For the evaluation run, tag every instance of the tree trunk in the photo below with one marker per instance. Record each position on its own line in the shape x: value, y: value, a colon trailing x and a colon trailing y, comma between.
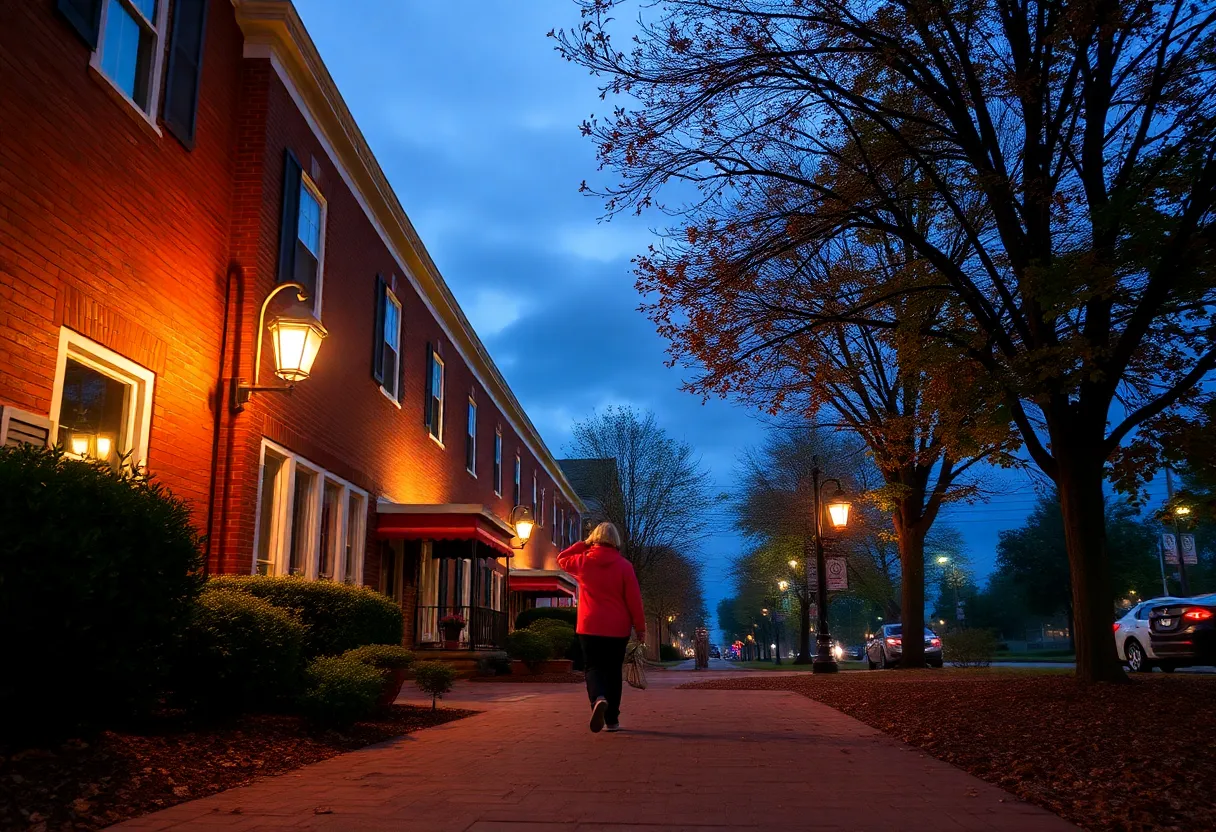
x: 912, y: 592
x: 804, y: 634
x: 1083, y: 506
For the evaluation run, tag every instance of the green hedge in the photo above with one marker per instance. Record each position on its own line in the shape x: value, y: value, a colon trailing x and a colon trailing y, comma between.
x: 558, y: 634
x: 969, y: 648
x: 98, y: 576
x: 529, y: 647
x: 569, y: 615
x: 339, y: 691
x: 383, y: 656
x: 240, y: 653
x: 667, y: 653
x: 339, y: 617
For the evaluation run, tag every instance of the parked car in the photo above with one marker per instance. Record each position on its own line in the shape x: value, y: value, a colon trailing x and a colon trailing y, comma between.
x: 714, y: 652
x: 1132, y: 640
x: 856, y: 652
x: 1183, y: 633
x: 886, y: 647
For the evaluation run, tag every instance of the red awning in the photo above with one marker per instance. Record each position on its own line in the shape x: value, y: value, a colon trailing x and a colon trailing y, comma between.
x: 542, y: 584
x: 393, y: 525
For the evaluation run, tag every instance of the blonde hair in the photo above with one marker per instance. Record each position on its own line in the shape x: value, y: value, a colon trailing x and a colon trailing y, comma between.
x: 605, y: 534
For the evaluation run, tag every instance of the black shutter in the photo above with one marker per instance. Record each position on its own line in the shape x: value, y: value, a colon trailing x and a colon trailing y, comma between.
x: 401, y: 353
x: 378, y: 342
x: 430, y: 372
x: 85, y: 17
x: 289, y: 224
x: 185, y: 69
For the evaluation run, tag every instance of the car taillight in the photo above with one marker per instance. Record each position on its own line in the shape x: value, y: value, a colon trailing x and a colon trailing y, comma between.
x: 1197, y: 615
x: 936, y: 642
x: 1116, y: 626
x: 895, y: 642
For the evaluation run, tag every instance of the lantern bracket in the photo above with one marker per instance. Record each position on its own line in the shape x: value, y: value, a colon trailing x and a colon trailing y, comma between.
x: 241, y: 392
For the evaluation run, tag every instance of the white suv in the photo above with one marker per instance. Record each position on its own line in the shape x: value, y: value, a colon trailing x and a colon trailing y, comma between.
x: 1131, y: 636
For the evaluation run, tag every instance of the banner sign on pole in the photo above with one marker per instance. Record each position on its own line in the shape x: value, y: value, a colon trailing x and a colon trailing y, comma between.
x: 1169, y: 546
x: 838, y: 574
x: 812, y: 575
x: 1189, y: 555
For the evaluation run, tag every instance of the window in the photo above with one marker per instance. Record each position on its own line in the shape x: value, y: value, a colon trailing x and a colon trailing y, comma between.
x: 309, y: 522
x: 534, y: 503
x: 498, y: 462
x: 129, y: 49
x: 331, y: 511
x: 310, y: 241
x: 101, y: 405
x: 434, y: 395
x: 517, y: 491
x: 553, y: 526
x: 470, y: 440
x: 302, y: 232
x: 386, y: 361
x: 540, y: 518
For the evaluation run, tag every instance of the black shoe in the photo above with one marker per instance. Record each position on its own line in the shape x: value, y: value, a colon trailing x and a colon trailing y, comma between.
x: 598, y: 711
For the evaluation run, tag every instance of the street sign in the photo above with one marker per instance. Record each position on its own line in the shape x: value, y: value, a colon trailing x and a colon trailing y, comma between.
x: 838, y: 574
x: 1189, y: 556
x: 812, y: 575
x: 1169, y: 546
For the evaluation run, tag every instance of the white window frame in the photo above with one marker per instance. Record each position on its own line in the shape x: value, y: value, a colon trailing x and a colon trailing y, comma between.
x: 306, y: 183
x: 470, y: 464
x: 158, y: 60
x: 436, y: 361
x: 279, y: 525
x: 498, y: 461
x: 390, y: 298
x: 142, y: 381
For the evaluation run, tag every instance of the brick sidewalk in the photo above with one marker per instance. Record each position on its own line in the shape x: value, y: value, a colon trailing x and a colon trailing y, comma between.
x: 691, y: 760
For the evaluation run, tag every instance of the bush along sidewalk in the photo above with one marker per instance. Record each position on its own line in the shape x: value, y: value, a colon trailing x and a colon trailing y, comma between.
x: 392, y: 662
x: 435, y: 678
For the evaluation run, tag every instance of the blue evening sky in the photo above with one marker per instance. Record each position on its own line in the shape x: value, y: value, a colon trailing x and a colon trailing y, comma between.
x: 474, y: 119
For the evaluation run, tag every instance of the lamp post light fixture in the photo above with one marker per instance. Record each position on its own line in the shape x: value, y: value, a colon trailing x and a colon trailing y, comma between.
x: 296, y: 341
x: 838, y: 511
x: 523, y: 522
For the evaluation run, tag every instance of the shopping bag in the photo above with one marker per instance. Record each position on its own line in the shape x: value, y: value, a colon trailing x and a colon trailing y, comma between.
x: 635, y: 665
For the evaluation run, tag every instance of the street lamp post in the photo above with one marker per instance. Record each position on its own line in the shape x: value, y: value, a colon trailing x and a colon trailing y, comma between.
x: 943, y: 560
x: 838, y: 510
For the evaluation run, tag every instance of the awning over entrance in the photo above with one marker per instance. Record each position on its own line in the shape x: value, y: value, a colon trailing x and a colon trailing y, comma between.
x: 543, y: 582
x: 447, y: 521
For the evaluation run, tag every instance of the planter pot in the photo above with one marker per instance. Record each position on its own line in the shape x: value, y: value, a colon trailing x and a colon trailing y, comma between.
x: 394, y: 678
x: 451, y: 643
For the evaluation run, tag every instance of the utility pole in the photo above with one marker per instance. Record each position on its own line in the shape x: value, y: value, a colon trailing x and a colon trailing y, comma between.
x: 1169, y: 489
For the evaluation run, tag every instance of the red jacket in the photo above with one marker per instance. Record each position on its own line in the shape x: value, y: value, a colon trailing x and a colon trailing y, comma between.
x: 610, y: 601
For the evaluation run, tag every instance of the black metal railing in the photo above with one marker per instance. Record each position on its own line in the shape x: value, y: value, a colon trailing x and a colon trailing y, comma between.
x: 484, y: 628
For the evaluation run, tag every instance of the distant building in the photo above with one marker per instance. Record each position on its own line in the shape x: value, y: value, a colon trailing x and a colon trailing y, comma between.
x: 594, y: 480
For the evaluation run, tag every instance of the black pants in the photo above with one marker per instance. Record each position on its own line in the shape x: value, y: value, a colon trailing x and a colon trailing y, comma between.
x: 603, y: 657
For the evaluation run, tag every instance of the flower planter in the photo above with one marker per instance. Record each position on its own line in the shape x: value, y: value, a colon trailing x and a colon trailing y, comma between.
x: 451, y: 637
x: 394, y: 678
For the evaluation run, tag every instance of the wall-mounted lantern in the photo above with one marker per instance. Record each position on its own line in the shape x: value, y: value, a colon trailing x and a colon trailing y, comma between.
x: 296, y: 341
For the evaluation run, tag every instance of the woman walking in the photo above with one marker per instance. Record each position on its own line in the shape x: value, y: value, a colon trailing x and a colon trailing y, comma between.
x: 609, y: 605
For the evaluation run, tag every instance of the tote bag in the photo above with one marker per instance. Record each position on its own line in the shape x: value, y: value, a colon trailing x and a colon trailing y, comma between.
x: 635, y: 665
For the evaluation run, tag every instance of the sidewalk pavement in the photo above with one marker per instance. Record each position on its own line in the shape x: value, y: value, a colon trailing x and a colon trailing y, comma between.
x: 688, y: 760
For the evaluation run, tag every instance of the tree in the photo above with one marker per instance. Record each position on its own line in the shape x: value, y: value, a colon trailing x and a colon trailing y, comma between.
x: 659, y: 497
x: 672, y: 593
x: 1071, y: 147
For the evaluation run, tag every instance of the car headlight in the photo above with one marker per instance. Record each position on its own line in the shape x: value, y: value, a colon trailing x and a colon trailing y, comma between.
x: 838, y: 652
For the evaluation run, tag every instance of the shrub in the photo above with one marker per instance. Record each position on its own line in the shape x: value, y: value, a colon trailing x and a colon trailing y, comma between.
x: 558, y: 634
x: 529, y: 647
x: 969, y: 648
x: 435, y: 678
x: 567, y: 614
x: 496, y: 664
x: 240, y: 653
x: 667, y: 653
x: 339, y: 691
x: 98, y: 575
x: 339, y: 617
x: 383, y: 656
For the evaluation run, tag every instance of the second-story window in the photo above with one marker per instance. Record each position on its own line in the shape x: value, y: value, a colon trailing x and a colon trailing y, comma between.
x: 553, y: 527
x: 470, y: 440
x: 310, y: 239
x: 498, y: 462
x: 516, y: 492
x: 130, y: 47
x: 539, y: 517
x: 386, y: 363
x: 434, y: 394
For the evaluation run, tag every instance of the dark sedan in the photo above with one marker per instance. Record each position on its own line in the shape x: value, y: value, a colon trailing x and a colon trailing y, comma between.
x: 1184, y: 633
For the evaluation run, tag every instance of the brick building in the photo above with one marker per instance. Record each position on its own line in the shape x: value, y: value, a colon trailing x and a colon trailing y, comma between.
x: 165, y: 165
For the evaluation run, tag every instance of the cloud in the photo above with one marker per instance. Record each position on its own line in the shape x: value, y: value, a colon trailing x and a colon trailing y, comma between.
x: 604, y: 242
x: 492, y: 311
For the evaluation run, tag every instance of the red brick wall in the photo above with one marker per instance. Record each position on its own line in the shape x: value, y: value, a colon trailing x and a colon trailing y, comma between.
x: 338, y: 418
x: 114, y: 232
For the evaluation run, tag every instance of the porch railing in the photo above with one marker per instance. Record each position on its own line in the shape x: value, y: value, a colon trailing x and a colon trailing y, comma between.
x: 486, y: 628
